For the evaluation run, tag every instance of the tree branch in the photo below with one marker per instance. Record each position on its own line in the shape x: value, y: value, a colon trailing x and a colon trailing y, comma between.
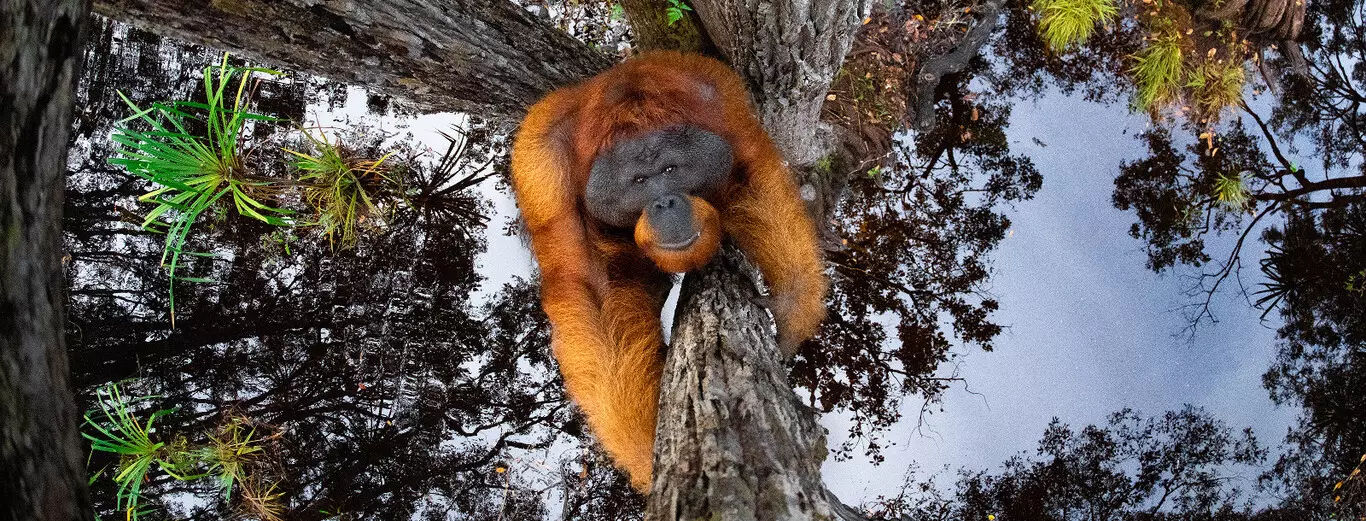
x: 485, y: 57
x: 955, y: 61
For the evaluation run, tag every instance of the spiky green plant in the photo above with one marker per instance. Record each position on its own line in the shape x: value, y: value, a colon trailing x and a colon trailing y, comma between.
x: 338, y: 184
x: 1230, y: 190
x: 1216, y: 85
x: 195, y: 153
x: 224, y: 457
x: 117, y: 430
x: 1157, y: 71
x: 1067, y: 23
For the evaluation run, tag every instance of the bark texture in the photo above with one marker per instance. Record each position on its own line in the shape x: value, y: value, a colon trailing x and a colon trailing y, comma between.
x: 41, y: 471
x: 485, y: 57
x: 790, y: 51
x: 733, y: 441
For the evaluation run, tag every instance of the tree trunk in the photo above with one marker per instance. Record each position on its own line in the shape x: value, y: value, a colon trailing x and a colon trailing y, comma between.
x: 485, y: 57
x: 790, y: 51
x: 733, y: 441
x: 41, y: 475
x: 651, y: 28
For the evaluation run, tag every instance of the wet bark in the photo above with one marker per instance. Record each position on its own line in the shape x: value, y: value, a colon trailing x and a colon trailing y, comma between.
x: 41, y: 471
x: 485, y: 57
x: 789, y: 51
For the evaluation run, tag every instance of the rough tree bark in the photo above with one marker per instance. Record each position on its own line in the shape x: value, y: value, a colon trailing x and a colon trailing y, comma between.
x: 41, y: 471
x: 733, y: 441
x: 790, y: 51
x: 485, y: 57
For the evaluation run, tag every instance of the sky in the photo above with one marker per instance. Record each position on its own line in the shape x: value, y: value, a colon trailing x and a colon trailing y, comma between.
x: 1089, y: 329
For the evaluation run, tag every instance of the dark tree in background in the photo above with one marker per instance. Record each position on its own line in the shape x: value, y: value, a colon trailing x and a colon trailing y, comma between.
x: 1315, y: 266
x: 916, y: 234
x: 1182, y: 465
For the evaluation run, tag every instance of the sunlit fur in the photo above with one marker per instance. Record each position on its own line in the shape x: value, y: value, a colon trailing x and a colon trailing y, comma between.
x: 602, y: 292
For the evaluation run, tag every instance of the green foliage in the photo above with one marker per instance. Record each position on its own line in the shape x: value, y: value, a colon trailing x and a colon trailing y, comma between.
x: 1230, y: 190
x: 675, y: 10
x: 225, y: 457
x: 119, y: 432
x: 1066, y: 23
x: 1157, y: 73
x: 1216, y: 85
x: 824, y: 165
x: 339, y: 185
x: 194, y: 153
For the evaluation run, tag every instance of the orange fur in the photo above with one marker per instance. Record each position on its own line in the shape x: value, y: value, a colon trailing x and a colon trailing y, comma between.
x: 603, y: 289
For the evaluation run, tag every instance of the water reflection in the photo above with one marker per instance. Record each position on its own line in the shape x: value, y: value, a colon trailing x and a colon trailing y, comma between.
x: 395, y: 394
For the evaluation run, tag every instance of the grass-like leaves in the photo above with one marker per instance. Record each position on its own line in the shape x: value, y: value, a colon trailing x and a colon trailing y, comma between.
x: 1067, y: 23
x: 228, y: 456
x: 1216, y: 85
x: 340, y: 186
x: 195, y: 153
x: 117, y: 430
x: 1158, y: 71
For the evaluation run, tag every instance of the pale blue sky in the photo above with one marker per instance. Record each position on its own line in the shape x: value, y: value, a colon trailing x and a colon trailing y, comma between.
x: 1089, y: 329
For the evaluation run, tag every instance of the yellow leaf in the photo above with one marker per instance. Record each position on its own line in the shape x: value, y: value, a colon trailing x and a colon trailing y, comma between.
x: 867, y: 19
x: 830, y: 97
x: 500, y: 469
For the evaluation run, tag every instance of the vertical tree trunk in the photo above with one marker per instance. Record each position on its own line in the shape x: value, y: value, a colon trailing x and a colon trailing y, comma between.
x: 485, y: 57
x: 41, y: 475
x: 790, y: 50
x: 733, y: 441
